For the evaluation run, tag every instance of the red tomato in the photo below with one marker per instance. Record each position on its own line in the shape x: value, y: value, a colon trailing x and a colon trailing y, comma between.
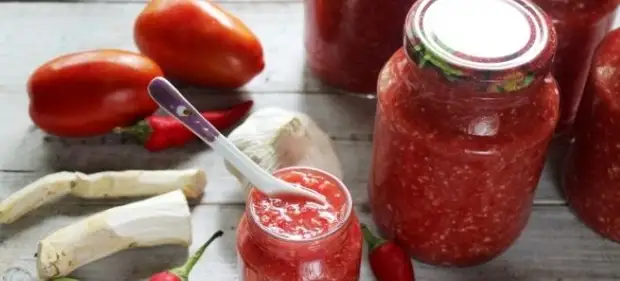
x: 90, y: 93
x: 197, y: 42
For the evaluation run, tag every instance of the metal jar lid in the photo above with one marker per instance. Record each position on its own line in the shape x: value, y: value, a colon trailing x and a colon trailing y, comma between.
x: 490, y: 45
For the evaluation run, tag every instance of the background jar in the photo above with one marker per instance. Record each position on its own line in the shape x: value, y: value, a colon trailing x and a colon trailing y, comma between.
x: 465, y: 113
x: 266, y: 256
x: 580, y: 25
x: 348, y: 41
x: 592, y: 178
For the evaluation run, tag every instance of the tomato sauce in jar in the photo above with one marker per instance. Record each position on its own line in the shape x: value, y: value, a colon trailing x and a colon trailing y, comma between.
x: 347, y: 42
x: 288, y: 238
x: 465, y: 113
x: 580, y: 26
x: 592, y: 179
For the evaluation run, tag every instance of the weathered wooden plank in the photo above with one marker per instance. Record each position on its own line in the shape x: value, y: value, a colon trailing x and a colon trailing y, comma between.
x: 555, y: 246
x: 46, y: 30
x: 222, y: 187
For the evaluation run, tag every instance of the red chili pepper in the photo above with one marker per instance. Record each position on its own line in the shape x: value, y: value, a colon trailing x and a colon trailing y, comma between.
x: 181, y: 273
x: 388, y: 262
x: 162, y: 132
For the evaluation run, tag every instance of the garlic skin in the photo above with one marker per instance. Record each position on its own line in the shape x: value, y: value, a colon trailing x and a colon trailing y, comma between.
x: 276, y: 138
x: 160, y: 220
x: 110, y: 184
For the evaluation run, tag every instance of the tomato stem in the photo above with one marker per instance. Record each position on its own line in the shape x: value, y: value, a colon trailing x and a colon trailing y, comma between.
x: 372, y: 240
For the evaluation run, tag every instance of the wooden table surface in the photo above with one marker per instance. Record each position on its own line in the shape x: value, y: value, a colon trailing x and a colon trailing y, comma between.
x: 555, y: 245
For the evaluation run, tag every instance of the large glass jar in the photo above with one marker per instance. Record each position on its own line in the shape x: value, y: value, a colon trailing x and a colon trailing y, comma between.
x: 348, y: 41
x: 287, y: 238
x: 580, y: 25
x: 592, y: 179
x: 465, y: 113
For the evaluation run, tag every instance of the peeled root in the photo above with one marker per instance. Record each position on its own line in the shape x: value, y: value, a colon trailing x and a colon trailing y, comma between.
x: 111, y: 184
x: 164, y: 219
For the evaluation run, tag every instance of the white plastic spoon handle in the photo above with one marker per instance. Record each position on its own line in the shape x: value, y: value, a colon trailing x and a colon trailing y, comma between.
x: 173, y: 102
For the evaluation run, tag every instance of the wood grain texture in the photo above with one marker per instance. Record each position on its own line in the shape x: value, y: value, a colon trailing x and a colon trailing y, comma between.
x: 71, y: 27
x: 554, y: 247
x: 222, y: 187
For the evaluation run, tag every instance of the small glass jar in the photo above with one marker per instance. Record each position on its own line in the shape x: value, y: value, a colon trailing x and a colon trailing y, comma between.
x: 592, y: 178
x: 580, y: 25
x: 465, y: 113
x: 268, y: 254
x: 347, y: 42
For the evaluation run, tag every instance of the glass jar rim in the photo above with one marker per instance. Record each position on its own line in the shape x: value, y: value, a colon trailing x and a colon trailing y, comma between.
x: 471, y: 53
x: 333, y: 230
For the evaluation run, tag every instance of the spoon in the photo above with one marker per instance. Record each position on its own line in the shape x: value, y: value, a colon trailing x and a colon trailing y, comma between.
x: 173, y: 102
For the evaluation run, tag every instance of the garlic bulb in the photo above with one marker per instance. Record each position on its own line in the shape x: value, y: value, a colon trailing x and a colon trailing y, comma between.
x: 276, y: 138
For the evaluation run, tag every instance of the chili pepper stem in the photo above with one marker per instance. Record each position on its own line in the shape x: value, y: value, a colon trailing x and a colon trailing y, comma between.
x: 372, y: 240
x: 140, y: 130
x: 184, y: 270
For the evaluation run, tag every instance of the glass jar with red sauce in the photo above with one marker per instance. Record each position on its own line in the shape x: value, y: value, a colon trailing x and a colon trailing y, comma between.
x: 465, y: 113
x: 288, y: 238
x: 580, y: 26
x: 348, y: 41
x: 592, y: 178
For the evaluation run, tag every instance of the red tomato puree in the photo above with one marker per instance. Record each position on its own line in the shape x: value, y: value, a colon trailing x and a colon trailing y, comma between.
x: 580, y: 25
x: 347, y: 42
x: 294, y: 217
x: 592, y: 181
x: 465, y: 113
x: 288, y: 237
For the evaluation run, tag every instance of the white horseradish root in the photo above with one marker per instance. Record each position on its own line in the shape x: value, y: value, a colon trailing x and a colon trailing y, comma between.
x: 160, y: 220
x: 111, y: 184
x: 276, y: 138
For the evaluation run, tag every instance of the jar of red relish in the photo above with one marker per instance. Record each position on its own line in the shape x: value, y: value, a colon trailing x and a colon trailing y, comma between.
x: 287, y: 238
x: 580, y: 25
x: 348, y: 41
x: 592, y: 179
x: 465, y: 112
